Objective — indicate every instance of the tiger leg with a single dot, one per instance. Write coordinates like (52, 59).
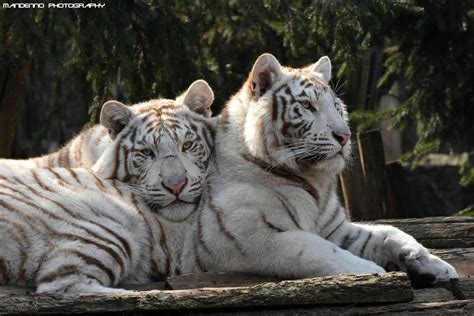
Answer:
(77, 283)
(385, 244)
(288, 254)
(74, 271)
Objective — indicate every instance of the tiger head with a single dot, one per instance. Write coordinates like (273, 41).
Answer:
(294, 118)
(161, 148)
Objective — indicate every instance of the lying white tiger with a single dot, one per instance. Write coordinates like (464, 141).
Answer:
(271, 207)
(80, 230)
(85, 149)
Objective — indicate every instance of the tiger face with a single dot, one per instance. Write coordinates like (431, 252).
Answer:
(161, 148)
(302, 123)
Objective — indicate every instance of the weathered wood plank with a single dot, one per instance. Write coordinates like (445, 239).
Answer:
(465, 307)
(215, 279)
(466, 288)
(428, 220)
(342, 289)
(461, 258)
(462, 307)
(438, 232)
(144, 287)
(433, 295)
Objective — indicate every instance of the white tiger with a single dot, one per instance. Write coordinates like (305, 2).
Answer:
(124, 221)
(271, 206)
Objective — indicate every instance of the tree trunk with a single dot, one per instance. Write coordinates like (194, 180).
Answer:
(13, 76)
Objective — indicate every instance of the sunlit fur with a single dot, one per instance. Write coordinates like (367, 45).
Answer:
(87, 230)
(271, 207)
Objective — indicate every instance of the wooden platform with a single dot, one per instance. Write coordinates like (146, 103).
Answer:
(233, 293)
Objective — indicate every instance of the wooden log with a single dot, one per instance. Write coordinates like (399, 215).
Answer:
(429, 220)
(462, 307)
(365, 183)
(144, 287)
(433, 295)
(438, 232)
(342, 289)
(216, 279)
(461, 258)
(466, 288)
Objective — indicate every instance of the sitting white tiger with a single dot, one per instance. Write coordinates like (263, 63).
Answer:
(85, 149)
(81, 230)
(271, 206)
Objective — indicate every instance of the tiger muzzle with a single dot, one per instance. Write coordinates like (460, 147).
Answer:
(174, 177)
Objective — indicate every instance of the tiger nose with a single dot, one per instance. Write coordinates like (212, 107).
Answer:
(175, 188)
(341, 137)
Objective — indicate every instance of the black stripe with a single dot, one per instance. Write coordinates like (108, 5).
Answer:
(164, 247)
(348, 241)
(270, 225)
(362, 250)
(39, 182)
(200, 236)
(332, 218)
(289, 209)
(94, 262)
(222, 227)
(284, 173)
(335, 229)
(51, 231)
(115, 160)
(197, 258)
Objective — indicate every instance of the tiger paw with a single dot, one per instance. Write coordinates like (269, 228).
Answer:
(423, 268)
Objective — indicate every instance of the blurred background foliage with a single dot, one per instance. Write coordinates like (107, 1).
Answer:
(68, 62)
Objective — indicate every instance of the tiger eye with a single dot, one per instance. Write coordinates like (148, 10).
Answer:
(147, 152)
(187, 145)
(306, 104)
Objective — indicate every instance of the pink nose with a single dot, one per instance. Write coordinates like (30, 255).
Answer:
(342, 138)
(175, 188)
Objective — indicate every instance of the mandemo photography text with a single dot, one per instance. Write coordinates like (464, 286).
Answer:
(41, 5)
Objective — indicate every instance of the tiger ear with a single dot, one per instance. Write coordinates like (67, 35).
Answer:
(264, 72)
(323, 69)
(199, 98)
(115, 116)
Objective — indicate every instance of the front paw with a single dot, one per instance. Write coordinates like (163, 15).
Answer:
(356, 265)
(367, 267)
(424, 269)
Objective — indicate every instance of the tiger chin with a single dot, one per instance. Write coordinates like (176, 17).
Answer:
(126, 219)
(271, 207)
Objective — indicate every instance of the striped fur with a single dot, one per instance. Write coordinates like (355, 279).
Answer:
(86, 230)
(271, 206)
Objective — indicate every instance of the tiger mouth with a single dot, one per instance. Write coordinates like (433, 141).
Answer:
(311, 159)
(317, 158)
